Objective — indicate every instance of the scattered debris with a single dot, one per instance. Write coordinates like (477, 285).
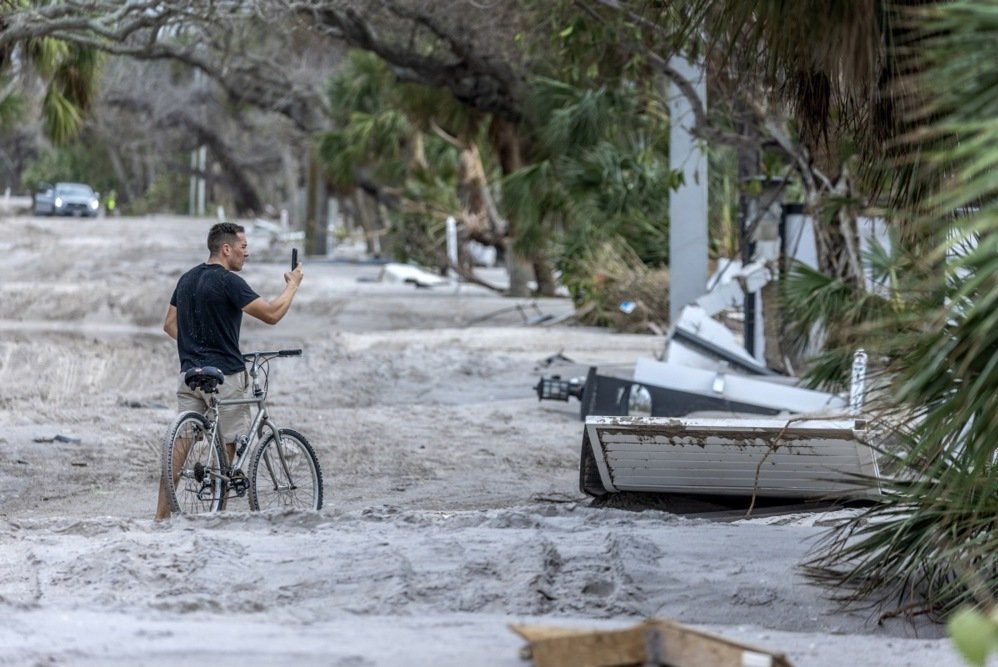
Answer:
(670, 390)
(413, 275)
(718, 388)
(530, 313)
(795, 457)
(150, 405)
(654, 643)
(700, 341)
(558, 357)
(71, 439)
(639, 435)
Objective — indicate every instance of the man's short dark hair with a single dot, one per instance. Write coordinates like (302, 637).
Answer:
(222, 233)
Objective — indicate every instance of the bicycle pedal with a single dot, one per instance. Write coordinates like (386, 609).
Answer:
(239, 483)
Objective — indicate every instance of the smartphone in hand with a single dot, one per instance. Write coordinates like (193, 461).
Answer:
(294, 258)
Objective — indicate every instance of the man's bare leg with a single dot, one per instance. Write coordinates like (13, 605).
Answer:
(230, 455)
(163, 509)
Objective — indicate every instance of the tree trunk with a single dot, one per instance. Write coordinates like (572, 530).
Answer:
(127, 192)
(244, 195)
(772, 327)
(520, 271)
(748, 169)
(505, 138)
(290, 168)
(546, 283)
(366, 209)
(315, 219)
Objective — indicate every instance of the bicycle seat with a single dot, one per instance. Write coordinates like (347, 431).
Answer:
(206, 379)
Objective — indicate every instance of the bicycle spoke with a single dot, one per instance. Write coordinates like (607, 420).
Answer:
(285, 474)
(194, 466)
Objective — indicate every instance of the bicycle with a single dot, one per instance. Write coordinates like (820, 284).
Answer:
(283, 469)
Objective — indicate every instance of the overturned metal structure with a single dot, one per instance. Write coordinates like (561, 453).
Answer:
(712, 421)
(786, 457)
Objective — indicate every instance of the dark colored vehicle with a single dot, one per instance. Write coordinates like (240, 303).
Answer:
(67, 199)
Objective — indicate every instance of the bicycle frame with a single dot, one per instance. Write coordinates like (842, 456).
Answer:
(260, 421)
(281, 467)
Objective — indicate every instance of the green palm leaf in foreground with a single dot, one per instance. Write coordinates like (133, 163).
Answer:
(932, 545)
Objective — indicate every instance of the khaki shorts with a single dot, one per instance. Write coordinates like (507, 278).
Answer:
(234, 418)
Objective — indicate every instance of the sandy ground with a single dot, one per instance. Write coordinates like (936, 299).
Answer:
(452, 506)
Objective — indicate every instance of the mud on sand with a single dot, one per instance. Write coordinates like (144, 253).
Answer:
(452, 505)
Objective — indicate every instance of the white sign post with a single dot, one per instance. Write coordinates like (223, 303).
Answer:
(688, 205)
(452, 251)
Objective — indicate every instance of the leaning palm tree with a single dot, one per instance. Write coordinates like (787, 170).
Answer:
(933, 543)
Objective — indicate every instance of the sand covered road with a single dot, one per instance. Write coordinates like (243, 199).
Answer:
(452, 505)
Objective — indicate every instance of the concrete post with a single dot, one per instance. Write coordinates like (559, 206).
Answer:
(687, 205)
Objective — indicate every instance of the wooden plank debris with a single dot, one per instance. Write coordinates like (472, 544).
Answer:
(654, 643)
(573, 647)
(675, 645)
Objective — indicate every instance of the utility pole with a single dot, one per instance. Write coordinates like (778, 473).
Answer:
(199, 159)
(688, 240)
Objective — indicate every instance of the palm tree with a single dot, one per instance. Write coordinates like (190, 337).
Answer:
(594, 189)
(418, 151)
(70, 73)
(935, 536)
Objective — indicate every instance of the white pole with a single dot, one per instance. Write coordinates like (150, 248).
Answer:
(857, 386)
(688, 204)
(202, 165)
(192, 199)
(452, 250)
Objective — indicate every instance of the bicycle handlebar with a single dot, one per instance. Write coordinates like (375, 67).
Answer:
(251, 356)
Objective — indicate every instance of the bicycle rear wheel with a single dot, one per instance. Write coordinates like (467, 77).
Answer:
(285, 474)
(192, 464)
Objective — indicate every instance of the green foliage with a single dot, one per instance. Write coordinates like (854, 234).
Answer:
(722, 202)
(838, 317)
(609, 273)
(932, 544)
(381, 134)
(168, 193)
(378, 141)
(71, 73)
(61, 118)
(598, 156)
(974, 634)
(585, 52)
(80, 161)
(600, 175)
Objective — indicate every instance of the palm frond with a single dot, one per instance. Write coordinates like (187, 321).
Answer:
(933, 541)
(61, 118)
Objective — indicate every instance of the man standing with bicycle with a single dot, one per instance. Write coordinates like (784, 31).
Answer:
(205, 316)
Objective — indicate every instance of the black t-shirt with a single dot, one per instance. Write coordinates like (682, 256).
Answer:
(210, 300)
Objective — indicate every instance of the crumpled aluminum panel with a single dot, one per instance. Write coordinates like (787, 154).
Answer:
(787, 457)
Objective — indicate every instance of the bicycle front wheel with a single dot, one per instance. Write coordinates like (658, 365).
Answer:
(192, 466)
(285, 473)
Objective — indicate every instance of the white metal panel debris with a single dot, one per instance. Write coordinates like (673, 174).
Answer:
(797, 457)
(735, 388)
